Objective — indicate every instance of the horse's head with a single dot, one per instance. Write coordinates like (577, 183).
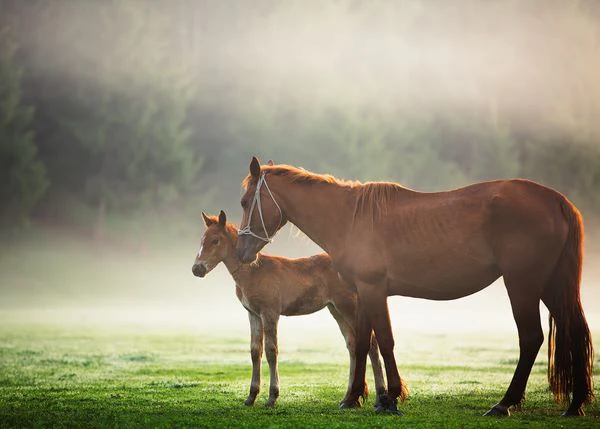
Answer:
(215, 245)
(262, 216)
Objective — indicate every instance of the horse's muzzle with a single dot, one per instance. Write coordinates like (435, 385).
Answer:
(247, 248)
(199, 270)
(246, 255)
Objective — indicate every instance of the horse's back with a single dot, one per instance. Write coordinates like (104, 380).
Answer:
(446, 245)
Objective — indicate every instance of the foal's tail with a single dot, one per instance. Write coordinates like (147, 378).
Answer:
(570, 350)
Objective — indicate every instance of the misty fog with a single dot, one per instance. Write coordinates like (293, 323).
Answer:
(530, 65)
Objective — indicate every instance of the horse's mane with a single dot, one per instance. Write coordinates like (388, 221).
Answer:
(298, 175)
(372, 198)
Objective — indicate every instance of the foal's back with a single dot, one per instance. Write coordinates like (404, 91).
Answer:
(295, 286)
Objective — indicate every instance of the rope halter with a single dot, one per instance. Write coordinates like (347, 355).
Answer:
(256, 202)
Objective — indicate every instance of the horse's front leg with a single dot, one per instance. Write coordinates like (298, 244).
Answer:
(372, 302)
(383, 331)
(362, 346)
(271, 350)
(256, 351)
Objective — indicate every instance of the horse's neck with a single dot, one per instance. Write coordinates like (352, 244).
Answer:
(322, 211)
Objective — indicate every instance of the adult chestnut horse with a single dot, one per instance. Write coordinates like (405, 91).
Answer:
(389, 240)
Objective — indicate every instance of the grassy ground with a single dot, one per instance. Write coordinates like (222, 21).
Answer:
(86, 377)
(59, 369)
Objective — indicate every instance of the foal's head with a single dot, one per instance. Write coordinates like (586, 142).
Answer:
(217, 243)
(262, 216)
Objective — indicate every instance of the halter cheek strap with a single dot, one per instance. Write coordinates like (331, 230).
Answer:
(256, 203)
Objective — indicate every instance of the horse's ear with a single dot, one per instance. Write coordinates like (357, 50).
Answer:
(222, 219)
(255, 168)
(270, 162)
(207, 220)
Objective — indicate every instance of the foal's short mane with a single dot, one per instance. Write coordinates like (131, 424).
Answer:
(230, 228)
(372, 198)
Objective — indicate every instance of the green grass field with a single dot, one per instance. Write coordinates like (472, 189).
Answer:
(62, 376)
(97, 336)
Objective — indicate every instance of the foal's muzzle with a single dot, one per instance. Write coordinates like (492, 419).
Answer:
(199, 270)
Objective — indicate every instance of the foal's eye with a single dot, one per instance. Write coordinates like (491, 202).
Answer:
(215, 241)
(244, 204)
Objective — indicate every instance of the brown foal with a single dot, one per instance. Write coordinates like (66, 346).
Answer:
(274, 286)
(389, 240)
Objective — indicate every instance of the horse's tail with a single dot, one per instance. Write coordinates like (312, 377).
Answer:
(570, 350)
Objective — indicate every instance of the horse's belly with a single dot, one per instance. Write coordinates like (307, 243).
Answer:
(446, 277)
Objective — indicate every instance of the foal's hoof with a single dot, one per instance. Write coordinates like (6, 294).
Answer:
(576, 413)
(270, 403)
(387, 406)
(350, 403)
(498, 411)
(249, 402)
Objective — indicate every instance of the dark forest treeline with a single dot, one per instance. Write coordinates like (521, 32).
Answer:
(125, 107)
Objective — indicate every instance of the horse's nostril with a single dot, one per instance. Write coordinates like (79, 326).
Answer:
(199, 270)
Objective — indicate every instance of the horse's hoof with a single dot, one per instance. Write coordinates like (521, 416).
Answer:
(498, 411)
(380, 399)
(249, 402)
(576, 413)
(350, 403)
(391, 409)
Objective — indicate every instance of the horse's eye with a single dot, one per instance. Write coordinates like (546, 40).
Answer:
(215, 241)
(244, 204)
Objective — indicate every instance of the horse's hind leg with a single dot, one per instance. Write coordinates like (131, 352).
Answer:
(270, 328)
(525, 304)
(256, 351)
(568, 344)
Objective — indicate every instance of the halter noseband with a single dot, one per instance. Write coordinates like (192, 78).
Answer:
(256, 202)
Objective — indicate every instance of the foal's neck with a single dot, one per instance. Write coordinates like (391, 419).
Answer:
(233, 264)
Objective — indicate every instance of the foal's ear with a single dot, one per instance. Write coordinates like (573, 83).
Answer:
(207, 220)
(222, 219)
(255, 167)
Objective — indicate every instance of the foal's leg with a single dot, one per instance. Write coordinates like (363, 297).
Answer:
(377, 371)
(350, 337)
(256, 350)
(270, 328)
(526, 310)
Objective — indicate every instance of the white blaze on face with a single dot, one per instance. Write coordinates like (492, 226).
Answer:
(201, 246)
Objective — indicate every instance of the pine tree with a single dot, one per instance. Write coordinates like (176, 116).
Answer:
(22, 176)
